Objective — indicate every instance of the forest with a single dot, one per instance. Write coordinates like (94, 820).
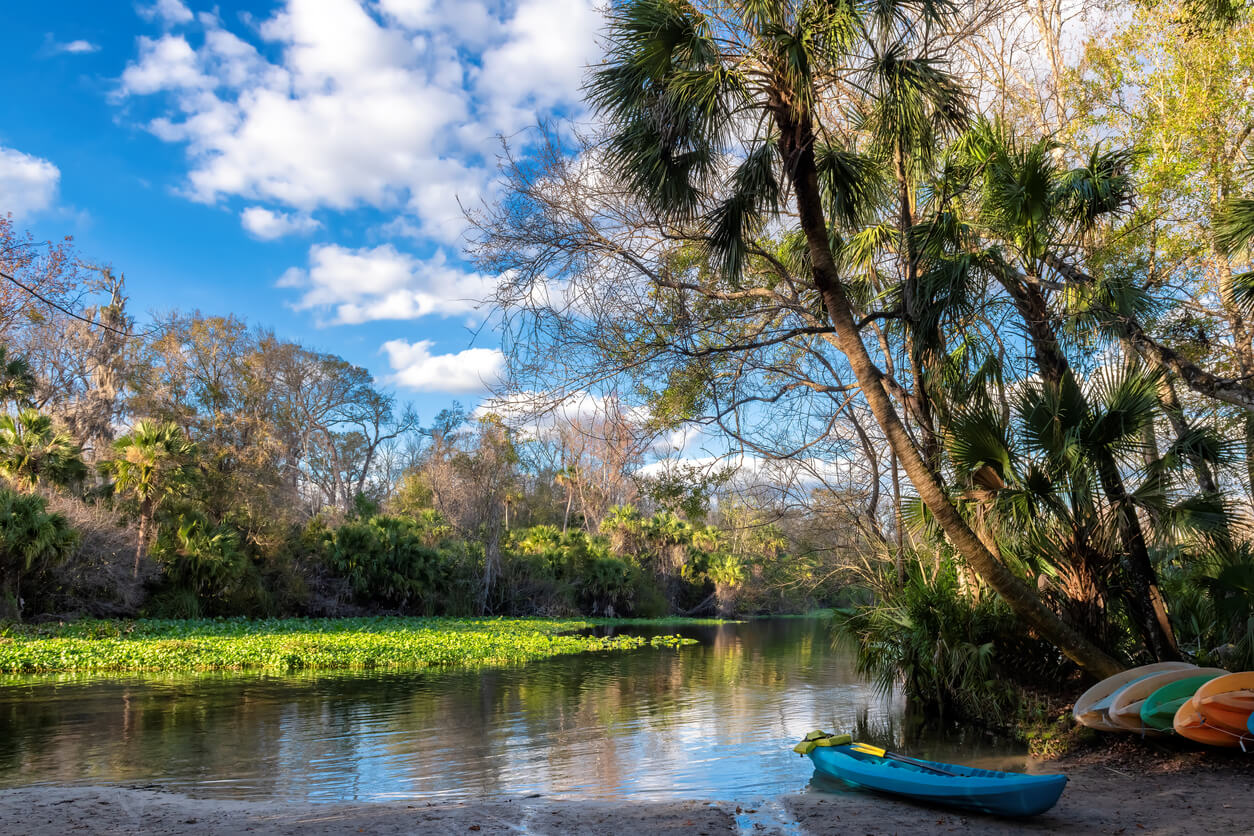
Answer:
(962, 303)
(201, 466)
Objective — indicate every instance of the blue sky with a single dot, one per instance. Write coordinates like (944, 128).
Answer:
(296, 162)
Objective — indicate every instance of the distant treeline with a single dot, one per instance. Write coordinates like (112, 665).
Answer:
(200, 466)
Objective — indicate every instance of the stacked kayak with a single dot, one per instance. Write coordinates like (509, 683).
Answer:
(1220, 712)
(1159, 710)
(1206, 705)
(1091, 709)
(953, 785)
(1126, 705)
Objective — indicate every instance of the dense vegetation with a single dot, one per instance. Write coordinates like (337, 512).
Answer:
(906, 240)
(298, 644)
(962, 295)
(205, 468)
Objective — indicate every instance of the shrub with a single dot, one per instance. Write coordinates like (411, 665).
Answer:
(389, 560)
(1212, 606)
(954, 650)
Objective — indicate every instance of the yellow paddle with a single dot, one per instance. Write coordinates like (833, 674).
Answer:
(868, 749)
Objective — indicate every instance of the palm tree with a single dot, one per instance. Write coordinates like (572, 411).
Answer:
(32, 451)
(151, 463)
(624, 526)
(1025, 210)
(1036, 482)
(684, 82)
(29, 537)
(17, 381)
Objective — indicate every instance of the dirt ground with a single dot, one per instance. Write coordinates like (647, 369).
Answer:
(1132, 788)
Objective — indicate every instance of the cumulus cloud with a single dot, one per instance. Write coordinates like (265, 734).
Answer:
(269, 225)
(28, 184)
(393, 105)
(474, 370)
(77, 47)
(366, 284)
(545, 415)
(170, 12)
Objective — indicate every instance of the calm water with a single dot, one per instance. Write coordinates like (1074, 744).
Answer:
(712, 721)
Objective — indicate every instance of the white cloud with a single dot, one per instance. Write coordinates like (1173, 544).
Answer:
(170, 12)
(28, 184)
(78, 47)
(369, 284)
(547, 46)
(269, 225)
(545, 414)
(473, 370)
(393, 105)
(166, 63)
(748, 471)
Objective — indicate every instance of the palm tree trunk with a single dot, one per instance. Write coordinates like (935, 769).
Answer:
(1175, 414)
(10, 596)
(141, 544)
(1146, 600)
(797, 145)
(1147, 604)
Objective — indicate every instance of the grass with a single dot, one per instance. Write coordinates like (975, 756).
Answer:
(299, 644)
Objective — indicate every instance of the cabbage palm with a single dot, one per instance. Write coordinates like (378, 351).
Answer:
(29, 537)
(17, 381)
(1033, 209)
(1038, 480)
(152, 463)
(33, 451)
(717, 116)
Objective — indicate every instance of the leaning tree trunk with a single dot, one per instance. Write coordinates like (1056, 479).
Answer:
(797, 144)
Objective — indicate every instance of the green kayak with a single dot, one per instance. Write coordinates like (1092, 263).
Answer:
(1159, 709)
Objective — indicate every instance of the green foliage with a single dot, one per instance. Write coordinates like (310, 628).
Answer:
(295, 644)
(953, 650)
(152, 462)
(201, 562)
(17, 381)
(1212, 605)
(30, 539)
(393, 561)
(32, 452)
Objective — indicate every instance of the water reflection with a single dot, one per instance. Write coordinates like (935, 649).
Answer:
(708, 721)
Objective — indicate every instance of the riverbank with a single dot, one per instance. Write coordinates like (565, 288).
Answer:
(1147, 793)
(304, 644)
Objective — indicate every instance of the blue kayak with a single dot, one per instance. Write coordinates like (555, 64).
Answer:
(1000, 793)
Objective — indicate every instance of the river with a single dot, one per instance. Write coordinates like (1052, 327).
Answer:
(708, 721)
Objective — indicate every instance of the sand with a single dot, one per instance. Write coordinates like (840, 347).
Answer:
(1128, 790)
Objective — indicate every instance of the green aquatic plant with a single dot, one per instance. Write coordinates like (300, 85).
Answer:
(298, 643)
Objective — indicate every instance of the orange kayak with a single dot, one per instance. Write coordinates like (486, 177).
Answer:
(1226, 702)
(1190, 723)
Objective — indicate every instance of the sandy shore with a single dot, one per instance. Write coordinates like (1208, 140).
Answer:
(1136, 791)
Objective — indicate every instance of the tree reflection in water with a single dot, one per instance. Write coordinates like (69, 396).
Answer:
(715, 720)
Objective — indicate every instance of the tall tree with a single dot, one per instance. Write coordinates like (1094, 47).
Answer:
(151, 464)
(684, 83)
